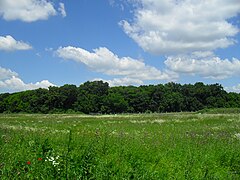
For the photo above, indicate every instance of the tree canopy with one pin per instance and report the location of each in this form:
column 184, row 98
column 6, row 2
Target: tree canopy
column 98, row 97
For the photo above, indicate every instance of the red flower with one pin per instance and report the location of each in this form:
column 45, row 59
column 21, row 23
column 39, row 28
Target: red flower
column 39, row 159
column 28, row 162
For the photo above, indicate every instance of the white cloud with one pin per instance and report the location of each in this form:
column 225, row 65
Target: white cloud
column 172, row 27
column 121, row 81
column 233, row 88
column 62, row 10
column 118, row 4
column 111, row 2
column 6, row 73
column 202, row 54
column 104, row 61
column 49, row 49
column 208, row 66
column 26, row 10
column 8, row 43
column 16, row 84
column 124, row 82
column 10, row 82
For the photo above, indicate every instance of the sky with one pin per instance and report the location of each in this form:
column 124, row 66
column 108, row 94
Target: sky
column 123, row 42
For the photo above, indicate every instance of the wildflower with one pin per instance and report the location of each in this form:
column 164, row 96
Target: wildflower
column 39, row 159
column 28, row 162
column 237, row 135
column 53, row 160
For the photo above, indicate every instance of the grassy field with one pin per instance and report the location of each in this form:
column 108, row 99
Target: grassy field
column 140, row 146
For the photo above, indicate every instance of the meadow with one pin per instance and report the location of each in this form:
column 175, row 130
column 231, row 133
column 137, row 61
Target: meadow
column 136, row 146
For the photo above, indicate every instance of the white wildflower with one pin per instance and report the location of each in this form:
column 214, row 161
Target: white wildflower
column 53, row 160
column 158, row 121
column 237, row 135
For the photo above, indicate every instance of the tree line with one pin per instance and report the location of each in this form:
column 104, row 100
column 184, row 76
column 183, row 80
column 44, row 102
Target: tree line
column 98, row 97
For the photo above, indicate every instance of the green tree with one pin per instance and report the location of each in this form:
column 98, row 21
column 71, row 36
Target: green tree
column 68, row 93
column 90, row 97
column 114, row 103
column 3, row 98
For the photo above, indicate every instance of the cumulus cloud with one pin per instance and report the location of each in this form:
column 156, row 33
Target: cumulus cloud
column 8, row 43
column 204, row 64
column 172, row 27
column 11, row 82
column 104, row 61
column 15, row 84
column 28, row 10
column 6, row 73
column 121, row 81
column 62, row 10
column 233, row 88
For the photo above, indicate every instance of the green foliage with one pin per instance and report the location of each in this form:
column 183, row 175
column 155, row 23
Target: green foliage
column 114, row 103
column 98, row 98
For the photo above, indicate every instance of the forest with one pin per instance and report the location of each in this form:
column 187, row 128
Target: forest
column 97, row 97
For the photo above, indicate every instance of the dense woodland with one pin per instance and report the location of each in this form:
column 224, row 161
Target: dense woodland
column 97, row 97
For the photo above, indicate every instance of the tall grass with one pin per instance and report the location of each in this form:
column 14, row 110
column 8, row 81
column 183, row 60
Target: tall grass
column 150, row 146
column 221, row 111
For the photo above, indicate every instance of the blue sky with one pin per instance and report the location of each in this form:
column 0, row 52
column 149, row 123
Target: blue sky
column 123, row 42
